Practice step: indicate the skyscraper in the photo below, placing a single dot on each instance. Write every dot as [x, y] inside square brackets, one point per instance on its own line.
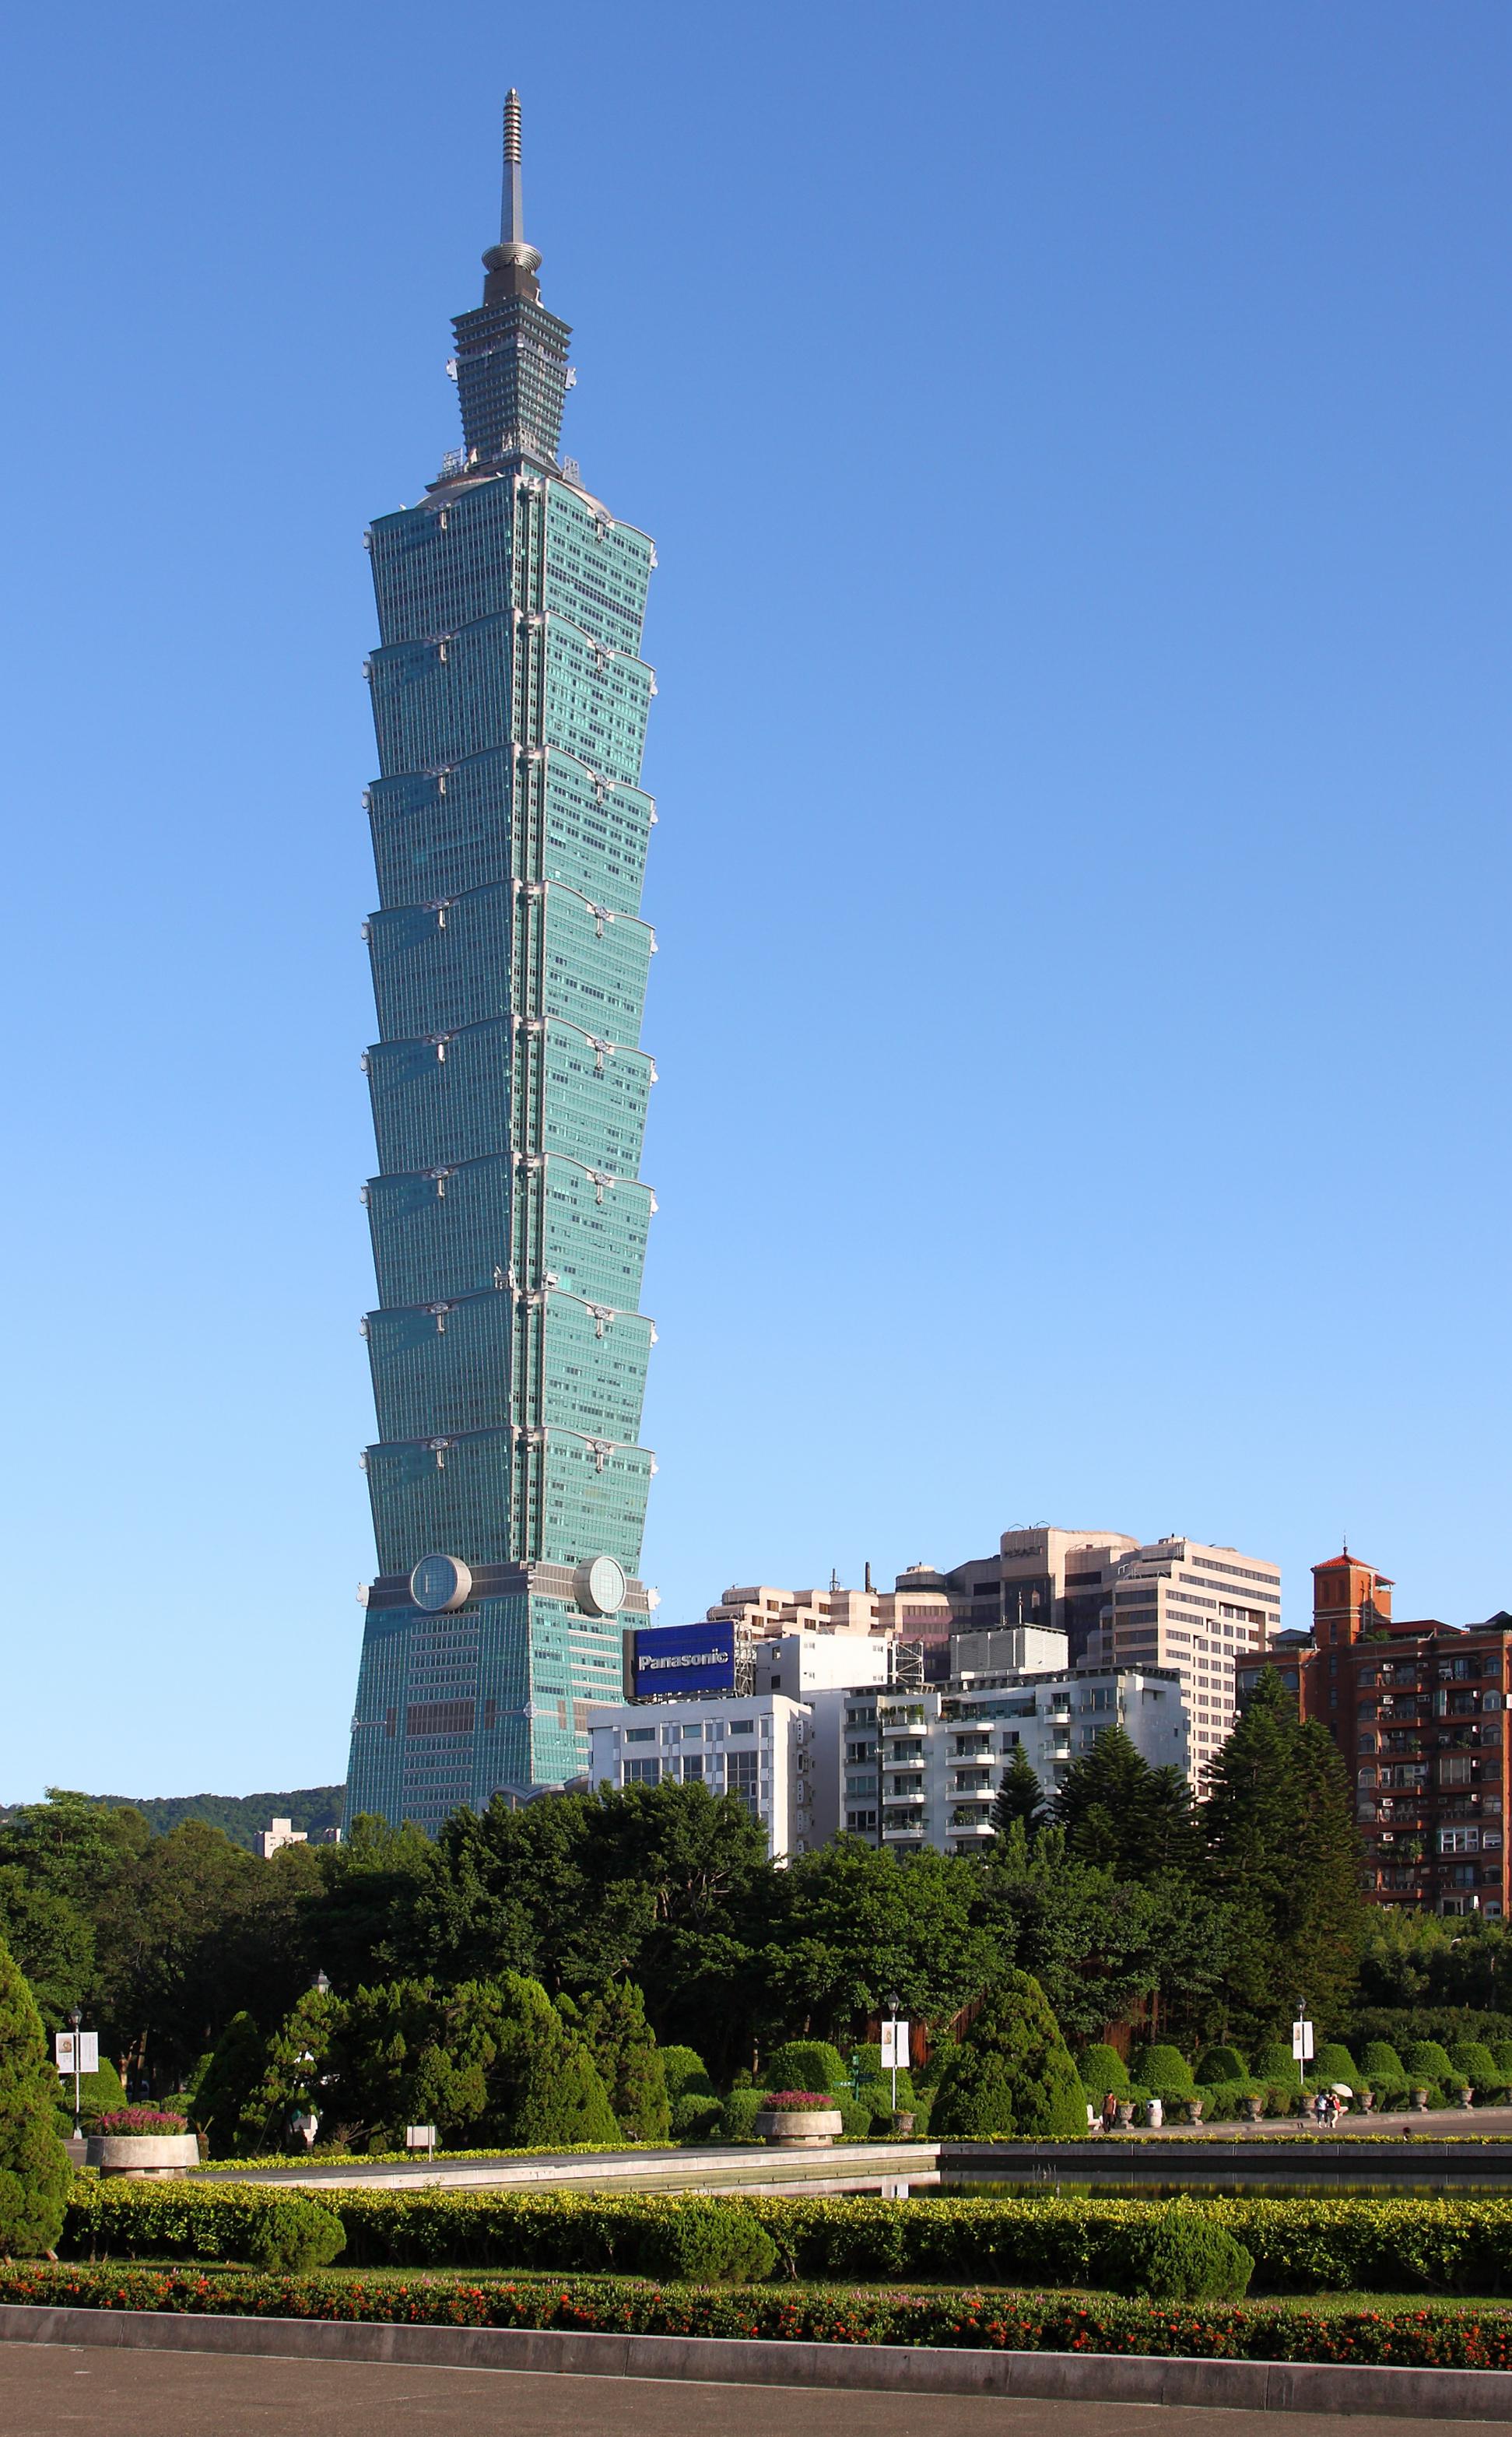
[508, 1085]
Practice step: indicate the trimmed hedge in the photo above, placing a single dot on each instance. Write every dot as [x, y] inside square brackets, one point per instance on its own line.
[1218, 2065]
[1103, 2069]
[969, 2318]
[1298, 2245]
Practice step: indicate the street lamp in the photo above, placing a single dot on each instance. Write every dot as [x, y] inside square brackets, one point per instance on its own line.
[76, 2017]
[321, 1985]
[892, 2042]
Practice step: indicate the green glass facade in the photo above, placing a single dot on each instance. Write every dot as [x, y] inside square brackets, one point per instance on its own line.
[508, 1090]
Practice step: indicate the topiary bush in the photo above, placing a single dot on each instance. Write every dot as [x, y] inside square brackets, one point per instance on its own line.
[99, 2094]
[1012, 2074]
[1473, 2062]
[806, 2065]
[1333, 2062]
[1501, 2057]
[1277, 2064]
[296, 2235]
[1428, 2066]
[1164, 2068]
[736, 2120]
[1383, 2072]
[35, 2174]
[707, 2243]
[695, 2117]
[1103, 2069]
[612, 2022]
[1176, 2256]
[686, 2074]
[1221, 2065]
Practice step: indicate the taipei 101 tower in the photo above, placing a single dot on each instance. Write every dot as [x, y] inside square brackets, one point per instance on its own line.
[509, 1088]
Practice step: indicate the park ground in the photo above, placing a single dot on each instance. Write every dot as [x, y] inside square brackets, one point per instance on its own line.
[60, 2391]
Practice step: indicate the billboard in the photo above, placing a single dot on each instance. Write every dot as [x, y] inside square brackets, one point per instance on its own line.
[682, 1658]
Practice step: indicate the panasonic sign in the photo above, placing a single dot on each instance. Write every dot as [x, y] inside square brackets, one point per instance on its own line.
[682, 1658]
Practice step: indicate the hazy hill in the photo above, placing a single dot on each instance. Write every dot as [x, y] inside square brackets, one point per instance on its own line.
[239, 1815]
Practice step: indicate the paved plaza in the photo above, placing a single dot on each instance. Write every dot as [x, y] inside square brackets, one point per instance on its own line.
[60, 2391]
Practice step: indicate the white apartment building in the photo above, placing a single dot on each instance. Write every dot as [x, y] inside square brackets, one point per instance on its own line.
[910, 1769]
[1193, 1609]
[805, 1662]
[759, 1746]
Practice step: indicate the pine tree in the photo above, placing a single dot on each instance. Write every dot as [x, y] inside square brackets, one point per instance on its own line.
[1012, 2074]
[1283, 1854]
[34, 2170]
[1020, 1796]
[1120, 1813]
[613, 2022]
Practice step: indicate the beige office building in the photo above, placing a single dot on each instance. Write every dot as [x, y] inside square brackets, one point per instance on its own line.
[1182, 1604]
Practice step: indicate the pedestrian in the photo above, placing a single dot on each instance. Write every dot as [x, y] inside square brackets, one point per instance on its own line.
[1110, 2111]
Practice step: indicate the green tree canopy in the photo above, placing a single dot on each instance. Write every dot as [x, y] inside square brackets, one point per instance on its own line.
[1011, 2075]
[1020, 1797]
[1284, 1859]
[1121, 1814]
[34, 2170]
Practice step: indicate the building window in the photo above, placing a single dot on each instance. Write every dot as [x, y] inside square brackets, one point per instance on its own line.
[642, 1772]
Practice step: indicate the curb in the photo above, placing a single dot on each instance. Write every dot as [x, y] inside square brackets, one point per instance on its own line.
[895, 2369]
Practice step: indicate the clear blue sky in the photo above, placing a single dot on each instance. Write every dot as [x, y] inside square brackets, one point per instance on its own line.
[1077, 441]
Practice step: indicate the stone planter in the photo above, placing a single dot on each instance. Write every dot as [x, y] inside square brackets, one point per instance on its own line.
[1193, 2110]
[1421, 2101]
[1255, 2110]
[140, 2154]
[903, 2124]
[1466, 2097]
[1367, 2100]
[1125, 2113]
[799, 2128]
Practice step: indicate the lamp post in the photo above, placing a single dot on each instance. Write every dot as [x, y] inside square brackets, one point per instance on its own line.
[76, 2017]
[321, 1985]
[892, 2042]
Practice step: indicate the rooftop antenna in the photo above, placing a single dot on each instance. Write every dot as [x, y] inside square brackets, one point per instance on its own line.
[511, 249]
[870, 1584]
[834, 1578]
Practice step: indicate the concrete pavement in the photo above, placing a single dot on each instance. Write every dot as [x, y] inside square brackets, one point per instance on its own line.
[56, 2391]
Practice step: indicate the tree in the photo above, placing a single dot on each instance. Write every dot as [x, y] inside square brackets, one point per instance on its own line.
[1011, 2075]
[613, 2023]
[229, 2080]
[34, 2170]
[51, 1941]
[1020, 1797]
[1284, 1857]
[1119, 1812]
[850, 1925]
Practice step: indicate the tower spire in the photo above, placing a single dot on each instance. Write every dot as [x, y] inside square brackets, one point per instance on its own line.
[511, 264]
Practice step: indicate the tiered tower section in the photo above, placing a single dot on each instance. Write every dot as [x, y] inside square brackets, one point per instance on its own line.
[508, 1090]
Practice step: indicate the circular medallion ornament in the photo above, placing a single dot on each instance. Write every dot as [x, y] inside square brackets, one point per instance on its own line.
[598, 1586]
[439, 1584]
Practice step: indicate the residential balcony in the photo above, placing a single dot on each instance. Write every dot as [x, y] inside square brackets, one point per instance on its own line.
[905, 1793]
[979, 1822]
[910, 1833]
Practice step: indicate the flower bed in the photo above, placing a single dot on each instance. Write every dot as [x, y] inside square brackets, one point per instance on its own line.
[967, 2316]
[798, 2102]
[139, 2123]
[1299, 2246]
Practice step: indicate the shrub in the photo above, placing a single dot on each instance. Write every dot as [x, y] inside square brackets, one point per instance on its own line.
[1275, 2064]
[1427, 2065]
[695, 2117]
[1333, 2062]
[1103, 2069]
[686, 2074]
[738, 2114]
[295, 2236]
[1502, 2057]
[1222, 2100]
[1446, 2024]
[1012, 2073]
[806, 2065]
[1177, 2255]
[1475, 2064]
[34, 2170]
[1221, 2065]
[708, 2243]
[1163, 2068]
[1383, 2069]
[855, 2116]
[875, 2090]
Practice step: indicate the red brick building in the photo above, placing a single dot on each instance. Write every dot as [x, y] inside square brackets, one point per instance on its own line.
[1418, 1712]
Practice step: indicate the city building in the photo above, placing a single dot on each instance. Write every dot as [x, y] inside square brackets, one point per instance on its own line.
[508, 1085]
[801, 1663]
[273, 1839]
[911, 1769]
[757, 1746]
[1418, 1712]
[1199, 1611]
